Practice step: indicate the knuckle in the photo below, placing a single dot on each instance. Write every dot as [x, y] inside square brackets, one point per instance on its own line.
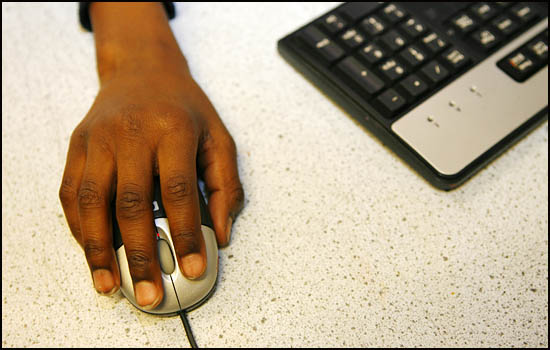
[185, 242]
[101, 142]
[229, 144]
[67, 192]
[236, 197]
[94, 250]
[79, 135]
[131, 121]
[237, 194]
[89, 195]
[131, 203]
[171, 119]
[77, 234]
[139, 261]
[234, 188]
[221, 141]
[178, 190]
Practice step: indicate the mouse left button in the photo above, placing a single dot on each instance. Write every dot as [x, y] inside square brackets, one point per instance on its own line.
[166, 259]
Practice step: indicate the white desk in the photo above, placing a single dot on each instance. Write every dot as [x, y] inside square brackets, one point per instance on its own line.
[340, 243]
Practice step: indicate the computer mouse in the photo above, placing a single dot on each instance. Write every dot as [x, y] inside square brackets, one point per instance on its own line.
[180, 293]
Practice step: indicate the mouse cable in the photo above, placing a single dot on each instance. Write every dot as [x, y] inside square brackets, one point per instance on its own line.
[188, 331]
[186, 324]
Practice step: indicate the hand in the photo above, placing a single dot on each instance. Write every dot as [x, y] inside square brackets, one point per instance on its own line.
[150, 118]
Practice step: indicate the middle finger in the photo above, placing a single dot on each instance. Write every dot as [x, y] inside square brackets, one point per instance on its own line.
[135, 219]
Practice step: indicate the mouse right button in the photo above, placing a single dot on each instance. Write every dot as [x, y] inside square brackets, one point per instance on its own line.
[166, 259]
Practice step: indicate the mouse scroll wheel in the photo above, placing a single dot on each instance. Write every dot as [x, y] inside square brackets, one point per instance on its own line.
[167, 264]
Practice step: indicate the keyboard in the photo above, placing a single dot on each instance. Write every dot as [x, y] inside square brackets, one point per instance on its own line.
[447, 86]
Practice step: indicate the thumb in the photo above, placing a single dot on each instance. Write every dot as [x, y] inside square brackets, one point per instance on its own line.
[217, 160]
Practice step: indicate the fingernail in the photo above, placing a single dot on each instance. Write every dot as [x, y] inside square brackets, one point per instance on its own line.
[104, 282]
[147, 295]
[228, 228]
[193, 265]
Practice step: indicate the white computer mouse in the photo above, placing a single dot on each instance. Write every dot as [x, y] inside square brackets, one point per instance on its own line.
[180, 293]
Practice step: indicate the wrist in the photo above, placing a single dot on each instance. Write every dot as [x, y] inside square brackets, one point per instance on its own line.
[133, 38]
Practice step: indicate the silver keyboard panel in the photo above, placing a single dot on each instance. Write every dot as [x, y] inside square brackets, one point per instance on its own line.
[466, 118]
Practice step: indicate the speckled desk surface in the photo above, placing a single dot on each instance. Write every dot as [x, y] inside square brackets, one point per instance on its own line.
[340, 243]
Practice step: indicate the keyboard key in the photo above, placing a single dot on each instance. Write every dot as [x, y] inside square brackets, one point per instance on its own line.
[333, 23]
[413, 28]
[372, 53]
[391, 102]
[434, 72]
[356, 10]
[351, 38]
[414, 86]
[464, 23]
[524, 12]
[451, 8]
[455, 59]
[539, 49]
[393, 13]
[484, 11]
[518, 65]
[361, 75]
[373, 25]
[505, 25]
[485, 38]
[434, 43]
[504, 4]
[393, 41]
[392, 70]
[520, 62]
[412, 56]
[321, 44]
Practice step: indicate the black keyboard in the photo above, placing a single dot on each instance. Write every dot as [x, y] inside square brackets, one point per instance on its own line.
[383, 61]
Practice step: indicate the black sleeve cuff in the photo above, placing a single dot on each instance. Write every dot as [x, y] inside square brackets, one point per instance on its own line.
[84, 15]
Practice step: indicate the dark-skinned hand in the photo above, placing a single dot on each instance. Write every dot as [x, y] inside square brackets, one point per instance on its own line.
[150, 118]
